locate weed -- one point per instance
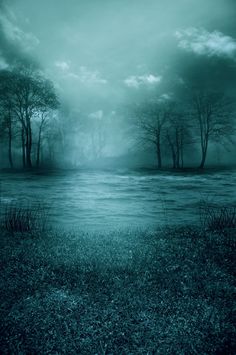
(21, 219)
(217, 218)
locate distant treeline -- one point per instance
(35, 127)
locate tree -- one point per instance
(6, 112)
(177, 137)
(213, 116)
(97, 128)
(31, 96)
(151, 118)
(41, 125)
(48, 103)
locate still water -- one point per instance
(109, 200)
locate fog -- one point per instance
(105, 56)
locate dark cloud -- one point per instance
(116, 50)
(14, 42)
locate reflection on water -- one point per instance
(101, 200)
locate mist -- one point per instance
(104, 56)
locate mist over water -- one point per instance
(101, 201)
(120, 84)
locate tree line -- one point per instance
(173, 127)
(30, 118)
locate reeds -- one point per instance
(24, 219)
(216, 218)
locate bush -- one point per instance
(217, 218)
(20, 219)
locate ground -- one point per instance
(168, 291)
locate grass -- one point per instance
(132, 292)
(217, 218)
(23, 219)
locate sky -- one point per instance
(102, 54)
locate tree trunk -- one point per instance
(174, 160)
(159, 158)
(177, 149)
(204, 146)
(38, 147)
(28, 145)
(172, 149)
(23, 146)
(38, 153)
(28, 156)
(204, 154)
(202, 164)
(10, 143)
(182, 155)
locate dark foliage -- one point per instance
(20, 219)
(217, 218)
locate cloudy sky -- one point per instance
(104, 51)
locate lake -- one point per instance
(104, 200)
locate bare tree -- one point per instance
(151, 118)
(177, 137)
(6, 112)
(30, 95)
(213, 116)
(41, 125)
(48, 103)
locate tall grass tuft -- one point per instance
(21, 219)
(217, 218)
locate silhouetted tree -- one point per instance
(151, 117)
(6, 112)
(213, 116)
(31, 96)
(48, 103)
(177, 137)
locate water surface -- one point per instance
(120, 199)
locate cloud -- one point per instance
(134, 81)
(202, 42)
(14, 34)
(84, 75)
(90, 77)
(15, 44)
(165, 97)
(64, 66)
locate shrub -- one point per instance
(217, 218)
(21, 219)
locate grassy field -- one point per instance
(134, 292)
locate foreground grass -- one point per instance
(122, 293)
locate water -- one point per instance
(120, 199)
